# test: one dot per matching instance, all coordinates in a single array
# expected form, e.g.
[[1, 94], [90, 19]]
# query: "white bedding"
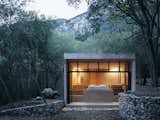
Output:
[[98, 94], [99, 87]]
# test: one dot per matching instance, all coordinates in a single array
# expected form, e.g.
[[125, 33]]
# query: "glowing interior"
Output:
[[110, 74], [93, 73]]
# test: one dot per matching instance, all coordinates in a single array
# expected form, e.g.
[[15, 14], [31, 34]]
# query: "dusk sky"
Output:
[[57, 8]]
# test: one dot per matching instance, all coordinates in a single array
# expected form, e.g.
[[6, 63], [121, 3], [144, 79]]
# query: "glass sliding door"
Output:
[[114, 75]]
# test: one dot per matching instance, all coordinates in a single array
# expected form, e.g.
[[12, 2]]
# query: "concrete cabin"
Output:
[[97, 77]]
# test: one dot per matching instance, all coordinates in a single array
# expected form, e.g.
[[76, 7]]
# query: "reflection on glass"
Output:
[[82, 74], [103, 66], [73, 66], [76, 78], [98, 78], [123, 66], [114, 66], [93, 66], [82, 66]]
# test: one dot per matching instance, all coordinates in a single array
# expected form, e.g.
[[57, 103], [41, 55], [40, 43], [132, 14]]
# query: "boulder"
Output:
[[49, 93], [38, 98]]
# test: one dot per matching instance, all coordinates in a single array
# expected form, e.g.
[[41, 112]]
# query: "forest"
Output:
[[32, 46]]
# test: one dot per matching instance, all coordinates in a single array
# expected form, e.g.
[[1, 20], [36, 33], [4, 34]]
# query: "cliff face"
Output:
[[79, 25], [86, 24]]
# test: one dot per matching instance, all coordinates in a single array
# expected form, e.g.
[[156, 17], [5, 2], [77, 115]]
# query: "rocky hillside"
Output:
[[80, 25], [85, 25]]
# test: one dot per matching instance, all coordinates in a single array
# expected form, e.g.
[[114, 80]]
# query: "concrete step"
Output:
[[77, 98], [80, 106], [65, 109]]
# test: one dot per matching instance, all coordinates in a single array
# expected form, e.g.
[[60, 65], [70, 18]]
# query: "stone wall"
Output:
[[40, 110], [139, 107]]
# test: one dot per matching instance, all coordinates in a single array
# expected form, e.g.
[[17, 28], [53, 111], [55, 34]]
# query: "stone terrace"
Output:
[[72, 115], [76, 112]]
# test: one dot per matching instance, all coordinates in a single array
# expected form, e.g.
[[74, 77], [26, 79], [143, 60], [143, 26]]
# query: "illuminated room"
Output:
[[97, 78], [84, 75]]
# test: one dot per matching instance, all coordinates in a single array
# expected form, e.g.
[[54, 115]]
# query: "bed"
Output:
[[98, 94]]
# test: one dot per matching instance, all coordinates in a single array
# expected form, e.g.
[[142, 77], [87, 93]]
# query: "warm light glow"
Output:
[[76, 78], [114, 66], [74, 69], [115, 75], [79, 69], [82, 75], [114, 69]]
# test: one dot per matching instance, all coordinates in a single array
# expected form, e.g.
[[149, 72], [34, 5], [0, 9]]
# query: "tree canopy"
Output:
[[32, 47], [142, 13]]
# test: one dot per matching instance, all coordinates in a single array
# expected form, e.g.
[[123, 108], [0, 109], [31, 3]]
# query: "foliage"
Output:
[[31, 49], [23, 45], [11, 10], [146, 14], [141, 13]]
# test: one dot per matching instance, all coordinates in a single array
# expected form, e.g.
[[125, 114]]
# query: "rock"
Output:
[[38, 98], [49, 93]]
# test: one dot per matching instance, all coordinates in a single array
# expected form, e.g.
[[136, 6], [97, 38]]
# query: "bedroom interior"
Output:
[[97, 80]]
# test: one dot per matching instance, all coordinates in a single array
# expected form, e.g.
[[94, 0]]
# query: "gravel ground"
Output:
[[89, 115], [72, 115]]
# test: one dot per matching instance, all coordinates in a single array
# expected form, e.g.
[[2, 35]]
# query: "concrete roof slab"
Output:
[[109, 56]]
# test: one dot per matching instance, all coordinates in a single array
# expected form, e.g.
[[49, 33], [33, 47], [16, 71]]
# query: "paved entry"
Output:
[[78, 111], [90, 111]]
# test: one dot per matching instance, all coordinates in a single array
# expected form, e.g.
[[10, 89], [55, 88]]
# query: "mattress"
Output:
[[99, 87], [98, 94]]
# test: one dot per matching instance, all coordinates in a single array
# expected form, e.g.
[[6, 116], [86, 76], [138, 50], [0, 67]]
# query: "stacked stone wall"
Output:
[[40, 110], [134, 107]]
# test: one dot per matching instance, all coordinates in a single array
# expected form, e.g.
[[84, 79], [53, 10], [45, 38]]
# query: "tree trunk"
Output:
[[152, 65], [29, 72], [37, 71], [154, 72], [151, 54], [6, 90], [47, 78]]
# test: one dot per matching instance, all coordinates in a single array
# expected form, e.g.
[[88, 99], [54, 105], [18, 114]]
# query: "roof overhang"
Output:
[[92, 56]]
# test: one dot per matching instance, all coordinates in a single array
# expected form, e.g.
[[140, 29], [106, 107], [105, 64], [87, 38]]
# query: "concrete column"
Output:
[[133, 76], [65, 81]]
